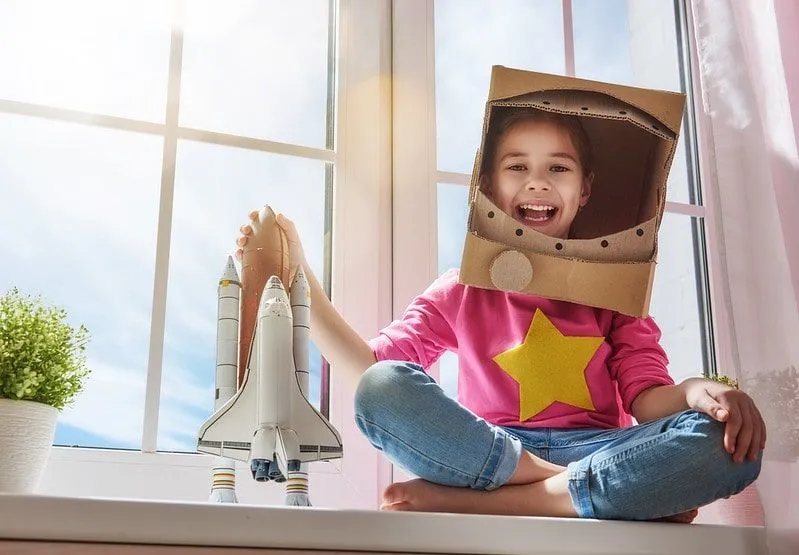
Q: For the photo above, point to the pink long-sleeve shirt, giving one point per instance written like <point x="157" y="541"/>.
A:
<point x="623" y="359"/>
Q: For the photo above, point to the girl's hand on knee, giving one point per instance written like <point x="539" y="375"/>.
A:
<point x="745" y="430"/>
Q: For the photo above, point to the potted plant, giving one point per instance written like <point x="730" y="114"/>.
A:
<point x="42" y="370"/>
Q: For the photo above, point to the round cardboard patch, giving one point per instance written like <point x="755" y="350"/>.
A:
<point x="511" y="271"/>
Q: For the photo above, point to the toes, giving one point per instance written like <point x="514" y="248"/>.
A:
<point x="246" y="229"/>
<point x="400" y="506"/>
<point x="393" y="494"/>
<point x="683" y="518"/>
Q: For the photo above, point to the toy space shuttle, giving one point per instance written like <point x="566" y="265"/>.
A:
<point x="262" y="339"/>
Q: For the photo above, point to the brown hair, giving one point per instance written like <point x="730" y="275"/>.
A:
<point x="505" y="118"/>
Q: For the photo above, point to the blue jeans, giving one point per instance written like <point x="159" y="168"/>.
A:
<point x="648" y="471"/>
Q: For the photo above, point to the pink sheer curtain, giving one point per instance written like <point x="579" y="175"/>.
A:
<point x="747" y="55"/>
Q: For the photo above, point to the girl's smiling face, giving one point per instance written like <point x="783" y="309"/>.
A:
<point x="537" y="176"/>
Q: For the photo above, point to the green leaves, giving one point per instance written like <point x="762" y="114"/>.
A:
<point x="42" y="357"/>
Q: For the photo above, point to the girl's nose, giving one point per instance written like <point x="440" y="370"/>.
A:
<point x="537" y="183"/>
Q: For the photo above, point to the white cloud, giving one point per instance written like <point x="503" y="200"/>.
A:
<point x="111" y="405"/>
<point x="93" y="55"/>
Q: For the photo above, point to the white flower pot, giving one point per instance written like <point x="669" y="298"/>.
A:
<point x="26" y="438"/>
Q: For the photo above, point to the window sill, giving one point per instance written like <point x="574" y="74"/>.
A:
<point x="137" y="521"/>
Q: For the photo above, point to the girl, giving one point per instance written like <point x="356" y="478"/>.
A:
<point x="546" y="387"/>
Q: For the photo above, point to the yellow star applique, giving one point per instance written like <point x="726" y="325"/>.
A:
<point x="549" y="367"/>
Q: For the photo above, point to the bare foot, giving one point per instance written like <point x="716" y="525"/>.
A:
<point x="549" y="497"/>
<point x="683" y="518"/>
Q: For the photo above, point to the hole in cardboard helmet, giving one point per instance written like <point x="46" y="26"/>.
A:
<point x="639" y="232"/>
<point x="490" y="213"/>
<point x="604" y="243"/>
<point x="519" y="232"/>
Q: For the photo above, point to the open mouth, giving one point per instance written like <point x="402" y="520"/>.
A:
<point x="535" y="214"/>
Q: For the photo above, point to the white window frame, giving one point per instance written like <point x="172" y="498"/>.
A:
<point x="416" y="173"/>
<point x="360" y="283"/>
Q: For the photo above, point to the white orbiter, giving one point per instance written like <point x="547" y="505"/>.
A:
<point x="269" y="421"/>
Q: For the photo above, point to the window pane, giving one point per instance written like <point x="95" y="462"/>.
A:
<point x="471" y="36"/>
<point x="602" y="41"/>
<point x="257" y="68"/>
<point x="632" y="43"/>
<point x="78" y="226"/>
<point x="92" y="55"/>
<point x="215" y="188"/>
<point x="674" y="299"/>
<point x="675" y="305"/>
<point x="453" y="212"/>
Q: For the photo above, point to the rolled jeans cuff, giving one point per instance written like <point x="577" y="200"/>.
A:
<point x="501" y="464"/>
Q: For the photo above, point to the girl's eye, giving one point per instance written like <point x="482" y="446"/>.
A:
<point x="559" y="169"/>
<point x="517" y="167"/>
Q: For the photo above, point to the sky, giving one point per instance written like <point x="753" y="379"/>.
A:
<point x="79" y="210"/>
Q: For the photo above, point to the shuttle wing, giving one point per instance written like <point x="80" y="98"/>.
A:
<point x="319" y="440"/>
<point x="229" y="431"/>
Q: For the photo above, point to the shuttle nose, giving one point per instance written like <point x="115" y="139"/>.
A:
<point x="274" y="283"/>
<point x="274" y="300"/>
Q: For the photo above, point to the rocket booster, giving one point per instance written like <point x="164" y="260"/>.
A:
<point x="227" y="334"/>
<point x="223" y="480"/>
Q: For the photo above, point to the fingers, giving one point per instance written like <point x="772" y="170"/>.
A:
<point x="713" y="408"/>
<point x="287" y="226"/>
<point x="734" y="423"/>
<point x="757" y="432"/>
<point x="745" y="432"/>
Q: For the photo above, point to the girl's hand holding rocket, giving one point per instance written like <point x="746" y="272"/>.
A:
<point x="296" y="252"/>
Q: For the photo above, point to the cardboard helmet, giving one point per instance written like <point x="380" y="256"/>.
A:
<point x="609" y="259"/>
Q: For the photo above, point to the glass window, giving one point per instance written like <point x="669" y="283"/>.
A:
<point x="602" y="41"/>
<point x="635" y="44"/>
<point x="78" y="226"/>
<point x="471" y="36"/>
<point x="215" y="189"/>
<point x="79" y="222"/>
<point x="257" y="69"/>
<point x="96" y="56"/>
<point x="675" y="302"/>
<point x="453" y="213"/>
